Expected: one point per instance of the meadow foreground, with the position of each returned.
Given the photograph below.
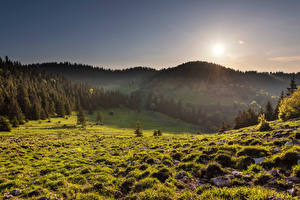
(58, 160)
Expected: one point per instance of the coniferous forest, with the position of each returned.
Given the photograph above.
(149, 100)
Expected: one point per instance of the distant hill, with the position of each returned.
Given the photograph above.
(207, 91)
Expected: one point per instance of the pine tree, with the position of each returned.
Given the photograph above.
(60, 109)
(269, 112)
(16, 112)
(15, 122)
(138, 131)
(81, 118)
(4, 124)
(224, 127)
(36, 111)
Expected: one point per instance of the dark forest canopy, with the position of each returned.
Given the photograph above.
(190, 72)
(198, 92)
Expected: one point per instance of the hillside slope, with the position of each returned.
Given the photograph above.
(58, 160)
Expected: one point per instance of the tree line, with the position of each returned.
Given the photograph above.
(28, 94)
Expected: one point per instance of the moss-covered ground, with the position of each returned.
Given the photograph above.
(58, 160)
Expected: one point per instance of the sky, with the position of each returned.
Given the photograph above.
(262, 35)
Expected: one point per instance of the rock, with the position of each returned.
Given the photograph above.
(296, 142)
(274, 172)
(237, 174)
(221, 181)
(180, 175)
(292, 191)
(293, 179)
(176, 162)
(258, 160)
(157, 162)
(277, 149)
(16, 192)
(288, 143)
(7, 195)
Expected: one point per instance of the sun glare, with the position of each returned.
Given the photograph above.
(218, 50)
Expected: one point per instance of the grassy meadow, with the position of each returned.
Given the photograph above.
(58, 160)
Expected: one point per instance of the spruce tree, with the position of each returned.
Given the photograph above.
(138, 131)
(81, 118)
(15, 122)
(36, 111)
(60, 109)
(269, 113)
(16, 112)
(224, 127)
(4, 124)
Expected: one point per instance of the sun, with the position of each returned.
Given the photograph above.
(218, 50)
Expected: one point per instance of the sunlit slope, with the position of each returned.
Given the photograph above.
(59, 160)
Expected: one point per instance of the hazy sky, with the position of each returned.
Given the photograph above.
(248, 35)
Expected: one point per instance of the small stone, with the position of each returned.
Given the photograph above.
(7, 195)
(258, 160)
(221, 181)
(274, 172)
(288, 143)
(292, 191)
(237, 173)
(176, 162)
(157, 162)
(293, 179)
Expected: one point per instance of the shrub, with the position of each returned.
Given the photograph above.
(263, 125)
(157, 133)
(290, 106)
(243, 162)
(138, 131)
(4, 124)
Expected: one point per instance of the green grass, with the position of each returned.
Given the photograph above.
(59, 159)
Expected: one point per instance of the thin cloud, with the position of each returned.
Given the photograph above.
(241, 42)
(285, 59)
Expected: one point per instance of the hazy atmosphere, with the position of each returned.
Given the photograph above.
(251, 35)
(150, 99)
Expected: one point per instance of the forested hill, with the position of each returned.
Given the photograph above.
(197, 92)
(186, 74)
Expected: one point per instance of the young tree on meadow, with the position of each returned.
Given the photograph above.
(81, 118)
(4, 124)
(138, 131)
(269, 113)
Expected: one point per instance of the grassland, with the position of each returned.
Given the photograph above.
(59, 160)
